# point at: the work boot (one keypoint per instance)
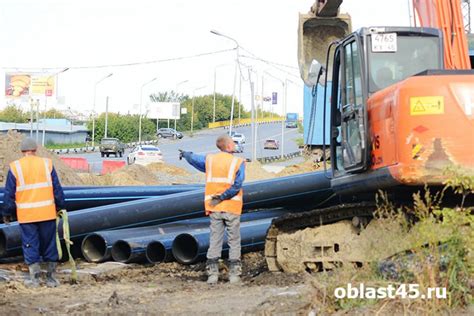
(51, 281)
(235, 270)
(212, 268)
(34, 280)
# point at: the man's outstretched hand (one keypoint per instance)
(183, 153)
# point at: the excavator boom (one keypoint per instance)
(446, 15)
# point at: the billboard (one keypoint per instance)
(17, 85)
(164, 110)
(42, 85)
(23, 84)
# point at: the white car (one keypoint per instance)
(238, 137)
(145, 154)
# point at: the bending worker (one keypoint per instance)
(32, 189)
(223, 203)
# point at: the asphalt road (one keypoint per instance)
(203, 142)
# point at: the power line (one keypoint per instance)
(134, 63)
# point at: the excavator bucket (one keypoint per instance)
(317, 29)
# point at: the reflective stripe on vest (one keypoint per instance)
(230, 175)
(235, 198)
(21, 178)
(35, 204)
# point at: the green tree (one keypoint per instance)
(53, 113)
(123, 127)
(203, 111)
(12, 113)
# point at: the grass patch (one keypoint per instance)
(65, 146)
(435, 250)
(300, 127)
(299, 141)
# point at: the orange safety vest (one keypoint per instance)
(34, 189)
(221, 170)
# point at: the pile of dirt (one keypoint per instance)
(308, 165)
(153, 174)
(128, 175)
(255, 172)
(166, 168)
(10, 151)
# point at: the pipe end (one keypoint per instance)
(155, 252)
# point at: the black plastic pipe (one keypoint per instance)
(299, 191)
(97, 247)
(159, 251)
(191, 247)
(135, 248)
(77, 199)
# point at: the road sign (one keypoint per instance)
(274, 97)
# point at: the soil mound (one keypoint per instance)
(10, 151)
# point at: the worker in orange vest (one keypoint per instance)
(223, 202)
(33, 190)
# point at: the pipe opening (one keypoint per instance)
(3, 243)
(155, 252)
(121, 251)
(94, 248)
(185, 248)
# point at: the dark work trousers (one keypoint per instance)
(39, 242)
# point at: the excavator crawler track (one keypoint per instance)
(290, 223)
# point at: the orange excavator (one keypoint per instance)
(401, 104)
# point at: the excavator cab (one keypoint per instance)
(365, 62)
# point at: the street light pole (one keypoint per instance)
(235, 75)
(285, 94)
(140, 114)
(192, 108)
(215, 84)
(252, 111)
(93, 110)
(177, 85)
(46, 102)
(106, 116)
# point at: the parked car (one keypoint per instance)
(271, 144)
(169, 133)
(237, 137)
(110, 146)
(239, 148)
(145, 154)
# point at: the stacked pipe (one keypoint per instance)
(131, 245)
(304, 190)
(78, 198)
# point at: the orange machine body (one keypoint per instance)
(421, 125)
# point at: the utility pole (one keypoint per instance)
(32, 104)
(240, 95)
(176, 98)
(263, 80)
(93, 110)
(235, 74)
(140, 114)
(192, 108)
(46, 101)
(285, 91)
(253, 123)
(106, 115)
(37, 120)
